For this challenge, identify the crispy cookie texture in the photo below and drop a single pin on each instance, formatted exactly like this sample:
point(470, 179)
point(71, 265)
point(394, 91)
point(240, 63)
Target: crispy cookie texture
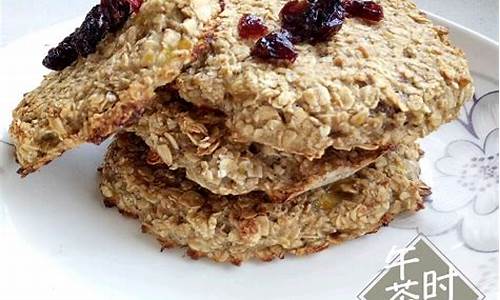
point(372, 84)
point(197, 141)
point(179, 213)
point(96, 96)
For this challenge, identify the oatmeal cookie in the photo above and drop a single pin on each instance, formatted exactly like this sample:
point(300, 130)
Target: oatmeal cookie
point(97, 95)
point(372, 84)
point(196, 140)
point(179, 213)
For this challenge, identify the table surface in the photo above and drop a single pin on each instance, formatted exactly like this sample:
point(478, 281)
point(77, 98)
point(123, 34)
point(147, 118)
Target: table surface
point(18, 18)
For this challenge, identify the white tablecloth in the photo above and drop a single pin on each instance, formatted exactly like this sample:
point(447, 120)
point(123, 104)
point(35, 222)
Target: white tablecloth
point(20, 17)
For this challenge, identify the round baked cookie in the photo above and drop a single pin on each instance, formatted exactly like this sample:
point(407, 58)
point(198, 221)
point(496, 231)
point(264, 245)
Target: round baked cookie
point(179, 213)
point(99, 94)
point(371, 84)
point(197, 141)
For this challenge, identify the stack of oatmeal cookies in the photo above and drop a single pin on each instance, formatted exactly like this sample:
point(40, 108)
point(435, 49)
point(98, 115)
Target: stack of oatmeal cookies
point(229, 146)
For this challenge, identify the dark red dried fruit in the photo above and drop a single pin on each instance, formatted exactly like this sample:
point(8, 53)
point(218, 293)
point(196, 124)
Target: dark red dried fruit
point(90, 33)
point(313, 20)
point(135, 4)
point(81, 42)
point(110, 16)
point(61, 56)
point(367, 10)
point(116, 13)
point(251, 27)
point(275, 45)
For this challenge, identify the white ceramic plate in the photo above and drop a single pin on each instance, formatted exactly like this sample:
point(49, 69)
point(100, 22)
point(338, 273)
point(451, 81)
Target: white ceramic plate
point(59, 242)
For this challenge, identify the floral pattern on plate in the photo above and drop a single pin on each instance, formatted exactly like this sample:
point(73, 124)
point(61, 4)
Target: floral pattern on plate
point(465, 185)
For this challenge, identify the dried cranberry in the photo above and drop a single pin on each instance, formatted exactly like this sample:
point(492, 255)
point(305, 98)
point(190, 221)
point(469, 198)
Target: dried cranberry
point(82, 41)
point(116, 13)
point(90, 33)
point(367, 10)
point(111, 15)
point(135, 4)
point(313, 20)
point(275, 45)
point(251, 26)
point(61, 56)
